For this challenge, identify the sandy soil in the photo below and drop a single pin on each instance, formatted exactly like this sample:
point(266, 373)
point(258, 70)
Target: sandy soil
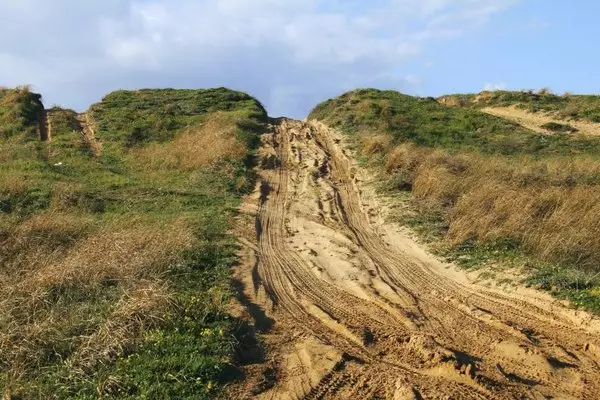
point(534, 121)
point(89, 135)
point(350, 307)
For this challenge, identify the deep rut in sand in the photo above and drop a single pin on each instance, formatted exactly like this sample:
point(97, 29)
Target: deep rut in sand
point(361, 311)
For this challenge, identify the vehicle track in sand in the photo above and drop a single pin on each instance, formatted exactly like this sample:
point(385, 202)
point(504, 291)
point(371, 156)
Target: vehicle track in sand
point(361, 311)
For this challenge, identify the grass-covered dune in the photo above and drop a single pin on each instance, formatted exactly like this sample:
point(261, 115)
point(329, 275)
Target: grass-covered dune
point(567, 106)
point(424, 121)
point(114, 263)
point(491, 189)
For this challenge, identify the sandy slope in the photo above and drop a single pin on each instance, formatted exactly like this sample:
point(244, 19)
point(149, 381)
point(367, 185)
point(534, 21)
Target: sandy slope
point(534, 121)
point(351, 308)
point(89, 136)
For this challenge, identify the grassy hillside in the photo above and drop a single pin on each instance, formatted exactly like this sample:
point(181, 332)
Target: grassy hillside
point(115, 264)
point(568, 106)
point(138, 117)
point(490, 189)
point(426, 122)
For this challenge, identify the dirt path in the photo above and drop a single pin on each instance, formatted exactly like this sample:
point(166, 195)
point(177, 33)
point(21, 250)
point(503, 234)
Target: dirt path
point(534, 121)
point(351, 308)
point(89, 135)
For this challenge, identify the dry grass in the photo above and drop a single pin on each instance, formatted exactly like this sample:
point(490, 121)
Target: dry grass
point(550, 206)
point(214, 140)
point(375, 144)
point(138, 310)
point(41, 239)
point(53, 259)
point(122, 252)
point(13, 185)
point(64, 195)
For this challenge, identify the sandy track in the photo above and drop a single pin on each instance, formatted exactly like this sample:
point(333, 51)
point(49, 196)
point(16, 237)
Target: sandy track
point(88, 134)
point(361, 311)
point(535, 121)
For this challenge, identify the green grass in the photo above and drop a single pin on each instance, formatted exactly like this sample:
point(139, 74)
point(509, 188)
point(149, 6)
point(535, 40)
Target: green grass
point(20, 110)
point(426, 122)
point(61, 196)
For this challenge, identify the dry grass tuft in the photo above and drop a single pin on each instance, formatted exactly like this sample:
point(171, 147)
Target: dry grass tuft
point(375, 144)
point(64, 195)
point(116, 253)
point(215, 140)
point(12, 185)
point(41, 239)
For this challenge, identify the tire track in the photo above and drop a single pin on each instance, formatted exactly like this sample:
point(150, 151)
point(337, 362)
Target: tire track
point(399, 323)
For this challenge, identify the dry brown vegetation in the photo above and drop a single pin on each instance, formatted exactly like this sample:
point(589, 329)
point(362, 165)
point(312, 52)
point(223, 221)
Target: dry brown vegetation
point(51, 253)
point(550, 206)
point(199, 146)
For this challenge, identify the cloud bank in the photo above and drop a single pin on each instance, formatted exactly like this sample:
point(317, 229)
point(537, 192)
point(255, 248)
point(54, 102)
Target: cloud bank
point(291, 54)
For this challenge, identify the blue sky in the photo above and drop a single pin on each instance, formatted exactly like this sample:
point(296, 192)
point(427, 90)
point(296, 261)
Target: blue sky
point(292, 54)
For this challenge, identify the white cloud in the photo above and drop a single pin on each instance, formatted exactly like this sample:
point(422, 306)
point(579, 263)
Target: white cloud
point(494, 86)
point(289, 53)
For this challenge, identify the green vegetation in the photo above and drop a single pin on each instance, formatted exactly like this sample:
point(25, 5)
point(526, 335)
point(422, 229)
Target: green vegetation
point(490, 194)
point(138, 117)
point(20, 111)
point(568, 106)
point(115, 267)
point(426, 122)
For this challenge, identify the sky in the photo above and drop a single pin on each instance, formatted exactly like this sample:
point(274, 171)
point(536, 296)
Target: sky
point(293, 54)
